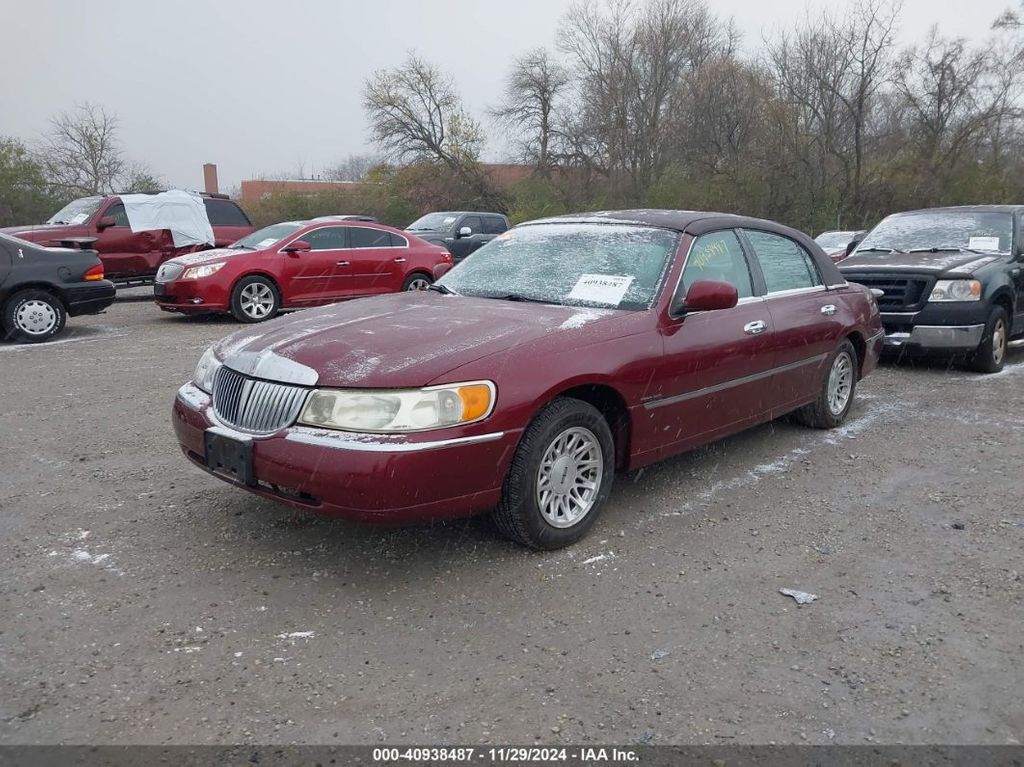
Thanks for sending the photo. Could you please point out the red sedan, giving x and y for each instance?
(558, 354)
(298, 264)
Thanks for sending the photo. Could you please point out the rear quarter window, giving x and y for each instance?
(225, 213)
(495, 225)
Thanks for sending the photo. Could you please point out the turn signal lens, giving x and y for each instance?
(94, 273)
(476, 400)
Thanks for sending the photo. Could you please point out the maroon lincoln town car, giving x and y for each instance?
(561, 352)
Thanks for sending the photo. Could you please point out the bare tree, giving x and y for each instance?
(534, 87)
(415, 113)
(80, 153)
(352, 168)
(138, 177)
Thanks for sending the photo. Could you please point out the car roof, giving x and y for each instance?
(955, 208)
(678, 220)
(463, 213)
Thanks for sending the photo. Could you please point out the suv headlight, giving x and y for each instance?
(956, 290)
(206, 371)
(398, 411)
(198, 272)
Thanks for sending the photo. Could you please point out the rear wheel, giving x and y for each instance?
(560, 476)
(417, 281)
(33, 316)
(254, 299)
(991, 354)
(835, 397)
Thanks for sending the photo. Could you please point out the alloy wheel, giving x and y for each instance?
(257, 300)
(418, 283)
(840, 383)
(999, 342)
(569, 477)
(36, 317)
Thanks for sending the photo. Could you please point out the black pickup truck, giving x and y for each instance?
(40, 287)
(947, 280)
(461, 232)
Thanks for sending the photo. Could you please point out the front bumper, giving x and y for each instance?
(371, 478)
(938, 337)
(89, 297)
(191, 296)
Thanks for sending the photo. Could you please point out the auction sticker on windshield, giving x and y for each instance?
(983, 243)
(601, 288)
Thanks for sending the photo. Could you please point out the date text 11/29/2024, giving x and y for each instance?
(505, 754)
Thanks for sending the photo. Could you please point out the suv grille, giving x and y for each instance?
(260, 407)
(169, 272)
(902, 292)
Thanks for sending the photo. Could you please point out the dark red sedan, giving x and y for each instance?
(560, 353)
(298, 264)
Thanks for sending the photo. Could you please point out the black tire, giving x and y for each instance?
(824, 412)
(519, 516)
(33, 316)
(255, 299)
(415, 280)
(991, 354)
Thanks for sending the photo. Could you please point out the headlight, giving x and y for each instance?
(198, 272)
(398, 411)
(206, 371)
(956, 290)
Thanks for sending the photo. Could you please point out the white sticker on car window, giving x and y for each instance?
(601, 288)
(266, 243)
(78, 218)
(449, 220)
(983, 243)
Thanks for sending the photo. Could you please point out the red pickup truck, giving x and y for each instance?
(129, 256)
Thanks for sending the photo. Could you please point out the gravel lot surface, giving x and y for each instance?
(144, 602)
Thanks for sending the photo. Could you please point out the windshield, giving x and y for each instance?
(77, 212)
(433, 221)
(601, 265)
(266, 237)
(990, 231)
(834, 239)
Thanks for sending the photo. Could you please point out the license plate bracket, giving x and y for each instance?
(231, 458)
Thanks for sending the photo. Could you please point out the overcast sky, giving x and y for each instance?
(265, 86)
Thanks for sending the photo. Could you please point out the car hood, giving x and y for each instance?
(428, 234)
(919, 263)
(397, 340)
(46, 231)
(207, 256)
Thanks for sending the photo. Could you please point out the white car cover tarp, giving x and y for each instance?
(183, 213)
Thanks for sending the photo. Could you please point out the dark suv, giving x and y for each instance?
(461, 232)
(129, 256)
(948, 280)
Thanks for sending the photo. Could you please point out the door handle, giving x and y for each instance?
(343, 263)
(755, 327)
(399, 260)
(828, 309)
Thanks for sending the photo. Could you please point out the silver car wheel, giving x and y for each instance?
(569, 477)
(999, 342)
(418, 283)
(257, 300)
(840, 383)
(35, 317)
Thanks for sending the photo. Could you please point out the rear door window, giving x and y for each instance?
(397, 241)
(494, 225)
(718, 256)
(784, 262)
(364, 237)
(225, 213)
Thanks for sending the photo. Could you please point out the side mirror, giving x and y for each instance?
(105, 223)
(465, 232)
(706, 296)
(852, 246)
(299, 246)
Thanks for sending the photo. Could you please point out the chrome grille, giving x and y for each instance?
(168, 272)
(256, 406)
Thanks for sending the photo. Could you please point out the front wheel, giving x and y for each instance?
(560, 476)
(254, 299)
(417, 281)
(991, 354)
(33, 316)
(835, 397)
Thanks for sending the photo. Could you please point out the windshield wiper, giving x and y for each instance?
(442, 289)
(518, 297)
(946, 249)
(875, 250)
(237, 246)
